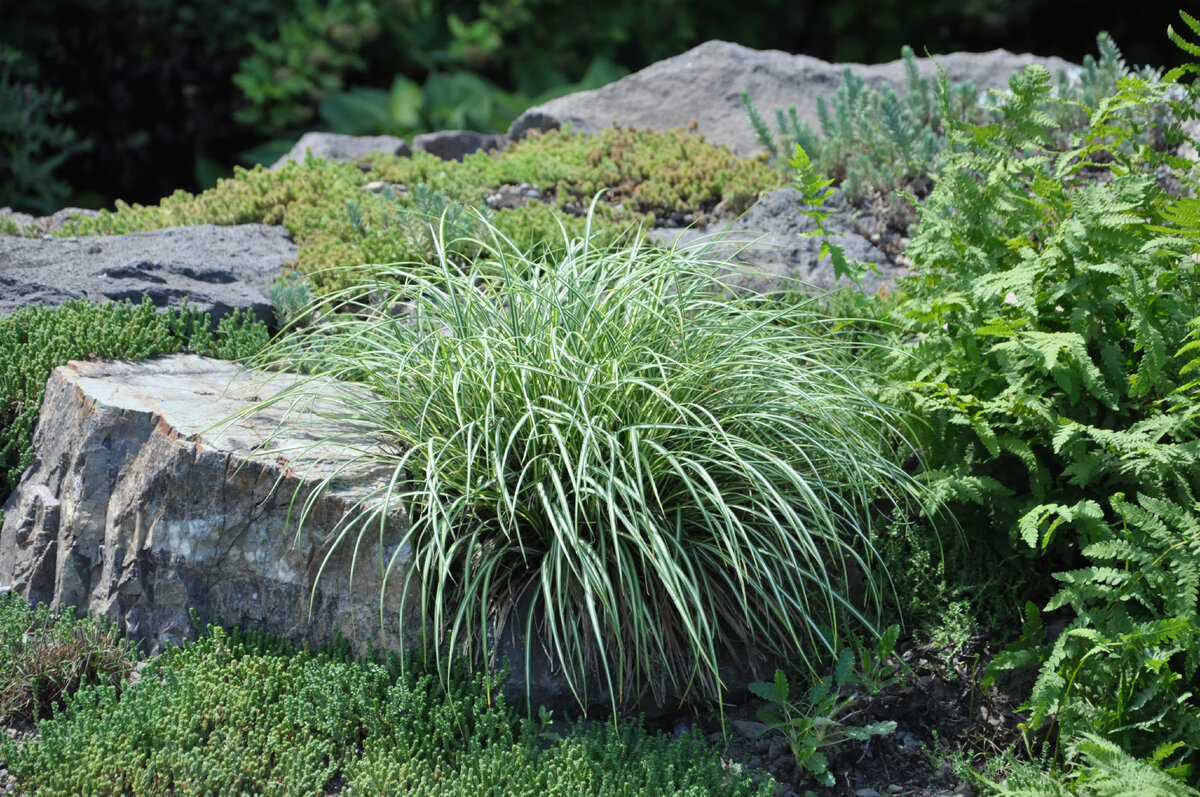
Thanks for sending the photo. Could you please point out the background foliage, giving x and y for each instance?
(170, 95)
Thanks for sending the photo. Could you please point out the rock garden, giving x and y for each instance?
(749, 425)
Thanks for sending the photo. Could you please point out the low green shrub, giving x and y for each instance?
(45, 658)
(36, 340)
(662, 470)
(1046, 310)
(647, 175)
(241, 713)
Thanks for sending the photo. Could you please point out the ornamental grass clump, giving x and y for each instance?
(608, 450)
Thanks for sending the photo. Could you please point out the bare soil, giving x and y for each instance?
(939, 707)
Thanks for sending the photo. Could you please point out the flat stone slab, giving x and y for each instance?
(215, 269)
(145, 503)
(704, 85)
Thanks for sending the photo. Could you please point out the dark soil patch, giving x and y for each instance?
(939, 707)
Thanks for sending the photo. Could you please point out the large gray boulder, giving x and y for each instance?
(704, 85)
(143, 504)
(340, 147)
(216, 269)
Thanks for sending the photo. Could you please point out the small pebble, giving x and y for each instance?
(866, 793)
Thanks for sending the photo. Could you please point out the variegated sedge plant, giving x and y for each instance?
(652, 469)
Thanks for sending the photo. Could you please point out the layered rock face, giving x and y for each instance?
(215, 269)
(145, 503)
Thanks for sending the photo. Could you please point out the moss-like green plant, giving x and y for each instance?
(646, 174)
(9, 226)
(240, 713)
(45, 658)
(665, 472)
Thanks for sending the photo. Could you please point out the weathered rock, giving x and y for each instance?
(338, 147)
(142, 505)
(771, 240)
(453, 145)
(704, 85)
(212, 268)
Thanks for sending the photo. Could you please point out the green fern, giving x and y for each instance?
(1055, 358)
(1188, 47)
(1106, 770)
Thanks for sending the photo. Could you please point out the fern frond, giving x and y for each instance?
(1108, 770)
(1087, 513)
(1182, 43)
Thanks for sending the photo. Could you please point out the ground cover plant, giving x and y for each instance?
(657, 471)
(648, 176)
(45, 658)
(240, 713)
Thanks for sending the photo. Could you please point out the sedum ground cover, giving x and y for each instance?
(239, 713)
(336, 223)
(1031, 390)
